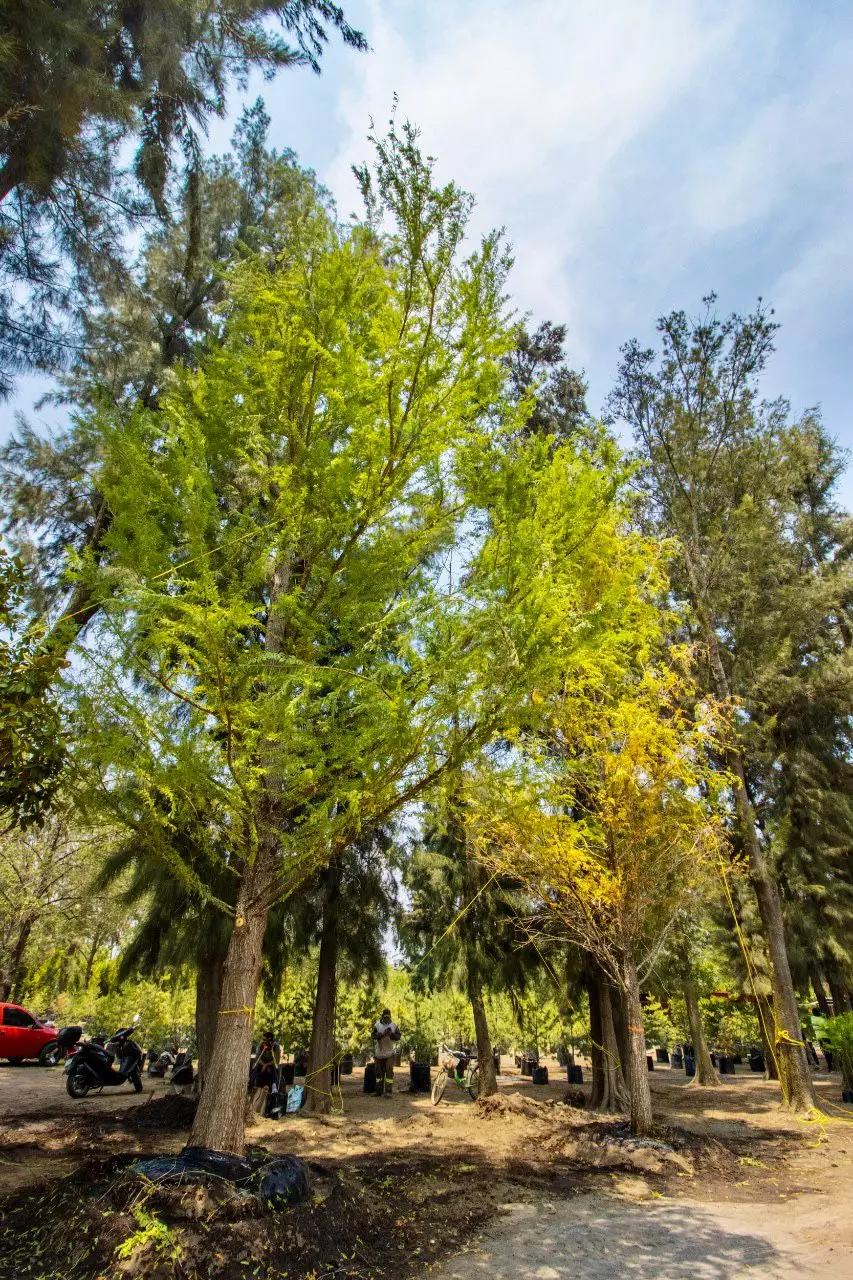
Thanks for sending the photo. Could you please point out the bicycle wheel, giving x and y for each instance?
(473, 1085)
(439, 1087)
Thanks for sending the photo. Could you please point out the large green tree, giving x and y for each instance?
(714, 476)
(282, 522)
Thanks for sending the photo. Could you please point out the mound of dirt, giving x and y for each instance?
(370, 1219)
(499, 1106)
(172, 1111)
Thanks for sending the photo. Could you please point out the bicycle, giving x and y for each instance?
(463, 1069)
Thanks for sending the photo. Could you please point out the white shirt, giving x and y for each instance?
(383, 1033)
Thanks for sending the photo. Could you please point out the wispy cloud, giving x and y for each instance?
(639, 152)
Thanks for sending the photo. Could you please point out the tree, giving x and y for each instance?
(619, 836)
(279, 528)
(345, 911)
(33, 726)
(46, 874)
(56, 514)
(708, 454)
(461, 929)
(78, 83)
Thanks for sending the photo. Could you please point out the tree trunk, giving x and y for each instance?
(596, 1038)
(765, 1025)
(609, 1092)
(485, 1053)
(14, 974)
(819, 991)
(84, 602)
(208, 992)
(635, 1066)
(705, 1073)
(795, 1076)
(322, 1050)
(839, 994)
(220, 1121)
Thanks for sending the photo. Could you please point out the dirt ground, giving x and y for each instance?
(731, 1186)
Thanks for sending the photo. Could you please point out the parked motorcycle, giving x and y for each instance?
(93, 1065)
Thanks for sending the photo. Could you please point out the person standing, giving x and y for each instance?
(385, 1035)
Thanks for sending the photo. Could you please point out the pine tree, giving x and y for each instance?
(78, 83)
(708, 455)
(462, 928)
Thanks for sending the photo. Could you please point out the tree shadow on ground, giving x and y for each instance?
(598, 1239)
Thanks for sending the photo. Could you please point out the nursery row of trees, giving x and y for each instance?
(333, 590)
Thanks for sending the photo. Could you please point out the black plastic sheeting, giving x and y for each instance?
(277, 1183)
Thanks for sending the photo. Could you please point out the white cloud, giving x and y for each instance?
(531, 106)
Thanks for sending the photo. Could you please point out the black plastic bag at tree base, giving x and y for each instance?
(278, 1183)
(284, 1182)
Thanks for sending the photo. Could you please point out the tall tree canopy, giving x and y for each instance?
(79, 82)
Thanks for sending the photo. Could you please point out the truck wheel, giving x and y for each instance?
(50, 1055)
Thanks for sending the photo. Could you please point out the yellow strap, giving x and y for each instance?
(243, 1009)
(785, 1037)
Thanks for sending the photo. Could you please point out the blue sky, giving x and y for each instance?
(640, 153)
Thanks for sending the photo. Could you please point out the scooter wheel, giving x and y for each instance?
(136, 1081)
(76, 1085)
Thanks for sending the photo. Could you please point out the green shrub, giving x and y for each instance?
(838, 1038)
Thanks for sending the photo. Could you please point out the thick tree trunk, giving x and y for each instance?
(705, 1073)
(635, 1067)
(220, 1120)
(819, 991)
(322, 1050)
(609, 1092)
(795, 1076)
(765, 1025)
(208, 993)
(485, 1053)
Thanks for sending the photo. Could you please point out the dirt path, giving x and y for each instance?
(525, 1188)
(601, 1237)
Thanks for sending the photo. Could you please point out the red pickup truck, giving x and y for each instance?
(23, 1036)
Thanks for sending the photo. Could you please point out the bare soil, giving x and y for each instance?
(402, 1187)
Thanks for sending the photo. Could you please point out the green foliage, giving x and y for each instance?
(33, 727)
(659, 1026)
(78, 83)
(837, 1035)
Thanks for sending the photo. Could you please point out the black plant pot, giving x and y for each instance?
(300, 1064)
(690, 1066)
(539, 1075)
(287, 1073)
(575, 1075)
(847, 1095)
(677, 1061)
(419, 1077)
(370, 1078)
(661, 1055)
(714, 1060)
(726, 1065)
(496, 1058)
(346, 1064)
(650, 1062)
(756, 1062)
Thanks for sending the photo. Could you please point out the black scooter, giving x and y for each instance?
(92, 1066)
